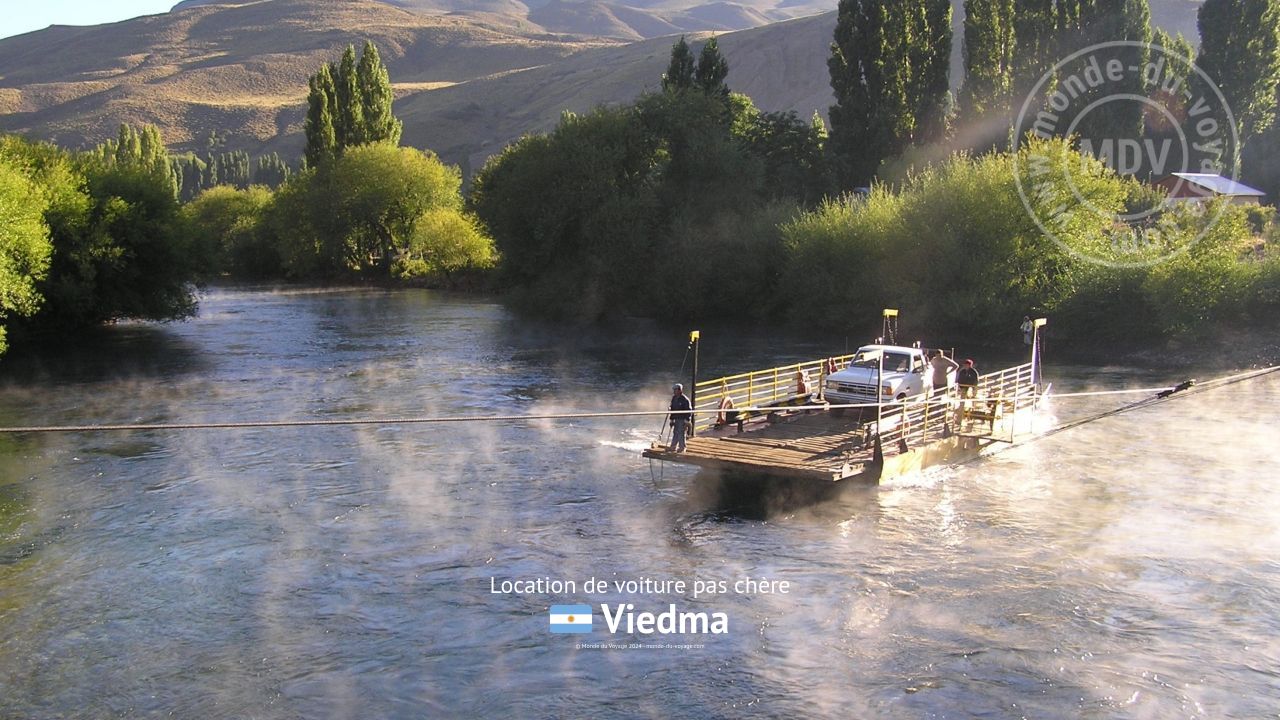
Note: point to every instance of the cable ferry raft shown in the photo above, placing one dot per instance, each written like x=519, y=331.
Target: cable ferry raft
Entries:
x=863, y=417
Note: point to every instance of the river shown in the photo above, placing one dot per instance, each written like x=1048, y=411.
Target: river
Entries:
x=1129, y=568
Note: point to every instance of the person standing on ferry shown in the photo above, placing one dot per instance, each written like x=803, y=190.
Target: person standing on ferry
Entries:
x=679, y=420
x=942, y=365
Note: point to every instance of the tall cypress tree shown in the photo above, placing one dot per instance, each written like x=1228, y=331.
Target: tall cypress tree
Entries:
x=988, y=52
x=712, y=70
x=1106, y=21
x=348, y=118
x=931, y=61
x=376, y=98
x=1240, y=52
x=1035, y=27
x=680, y=71
x=322, y=139
x=874, y=117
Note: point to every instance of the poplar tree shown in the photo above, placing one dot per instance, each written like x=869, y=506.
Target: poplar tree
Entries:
x=680, y=71
x=322, y=139
x=376, y=98
x=1036, y=46
x=988, y=52
x=348, y=122
x=874, y=116
x=931, y=61
x=349, y=104
x=1240, y=52
x=712, y=70
x=1107, y=21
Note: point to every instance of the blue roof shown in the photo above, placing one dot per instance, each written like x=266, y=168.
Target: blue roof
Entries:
x=1219, y=185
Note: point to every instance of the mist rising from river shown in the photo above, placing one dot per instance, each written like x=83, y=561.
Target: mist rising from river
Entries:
x=1126, y=568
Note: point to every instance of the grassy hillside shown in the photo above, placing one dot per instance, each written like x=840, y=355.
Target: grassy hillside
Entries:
x=466, y=84
x=781, y=66
x=625, y=19
x=237, y=69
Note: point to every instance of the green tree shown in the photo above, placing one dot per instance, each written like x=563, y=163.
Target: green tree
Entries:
x=704, y=170
x=132, y=264
x=112, y=220
x=931, y=62
x=140, y=149
x=224, y=227
x=366, y=215
x=1169, y=90
x=376, y=97
x=575, y=213
x=322, y=137
x=793, y=155
x=349, y=104
x=952, y=244
x=1036, y=42
x=1113, y=21
x=874, y=115
x=348, y=115
x=445, y=241
x=1240, y=52
x=988, y=50
x=1259, y=160
x=307, y=239
x=680, y=70
x=712, y=70
x=271, y=171
x=24, y=244
x=378, y=192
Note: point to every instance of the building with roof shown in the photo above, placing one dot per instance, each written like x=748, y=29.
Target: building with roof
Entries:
x=1203, y=186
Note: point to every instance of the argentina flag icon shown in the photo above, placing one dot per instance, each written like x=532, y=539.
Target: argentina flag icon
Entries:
x=570, y=618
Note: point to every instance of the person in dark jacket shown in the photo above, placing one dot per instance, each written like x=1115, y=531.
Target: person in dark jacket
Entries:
x=679, y=420
x=967, y=379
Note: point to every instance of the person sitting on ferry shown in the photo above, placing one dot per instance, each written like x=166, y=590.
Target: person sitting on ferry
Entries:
x=727, y=415
x=802, y=383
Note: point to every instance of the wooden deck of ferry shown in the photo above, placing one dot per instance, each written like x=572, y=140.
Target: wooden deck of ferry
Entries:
x=815, y=445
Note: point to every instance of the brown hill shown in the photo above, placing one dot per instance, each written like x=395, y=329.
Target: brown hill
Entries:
x=625, y=19
x=237, y=69
x=781, y=66
x=466, y=85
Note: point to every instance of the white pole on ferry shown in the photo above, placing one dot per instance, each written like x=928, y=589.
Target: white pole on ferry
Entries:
x=879, y=382
x=886, y=332
x=694, y=337
x=1035, y=351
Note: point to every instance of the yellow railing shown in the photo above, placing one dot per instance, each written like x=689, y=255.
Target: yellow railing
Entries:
x=780, y=385
x=760, y=388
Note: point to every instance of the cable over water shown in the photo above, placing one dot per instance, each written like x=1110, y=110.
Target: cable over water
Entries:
x=1159, y=394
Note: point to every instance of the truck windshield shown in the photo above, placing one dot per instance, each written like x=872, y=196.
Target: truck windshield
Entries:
x=893, y=362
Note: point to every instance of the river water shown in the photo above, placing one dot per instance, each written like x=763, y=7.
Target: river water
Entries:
x=1129, y=568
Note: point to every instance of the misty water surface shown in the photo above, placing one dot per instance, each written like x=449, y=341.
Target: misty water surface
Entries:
x=1126, y=569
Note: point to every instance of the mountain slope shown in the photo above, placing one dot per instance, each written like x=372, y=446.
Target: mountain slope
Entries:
x=781, y=66
x=465, y=85
x=626, y=19
x=235, y=68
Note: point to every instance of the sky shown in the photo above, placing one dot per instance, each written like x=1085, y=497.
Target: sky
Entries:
x=21, y=16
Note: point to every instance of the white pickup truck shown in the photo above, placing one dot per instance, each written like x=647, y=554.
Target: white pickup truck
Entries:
x=904, y=373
